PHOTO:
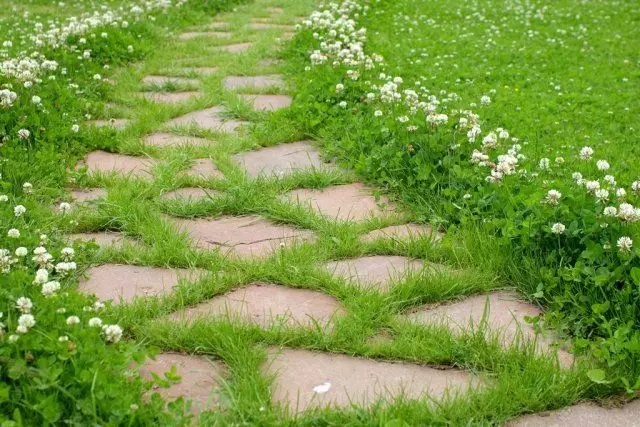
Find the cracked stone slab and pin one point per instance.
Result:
(353, 202)
(201, 379)
(190, 194)
(267, 102)
(119, 282)
(234, 48)
(209, 118)
(267, 305)
(584, 414)
(306, 379)
(111, 123)
(199, 34)
(204, 169)
(103, 162)
(375, 271)
(169, 97)
(402, 232)
(163, 80)
(506, 316)
(164, 139)
(241, 236)
(253, 82)
(280, 159)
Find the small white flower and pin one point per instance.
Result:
(4, 198)
(113, 333)
(624, 244)
(13, 338)
(322, 388)
(95, 322)
(610, 211)
(558, 228)
(27, 187)
(63, 338)
(73, 320)
(22, 251)
(64, 207)
(586, 153)
(377, 113)
(621, 193)
(485, 100)
(14, 233)
(24, 305)
(24, 134)
(27, 321)
(602, 195)
(342, 104)
(50, 288)
(42, 275)
(602, 165)
(75, 128)
(553, 197)
(19, 210)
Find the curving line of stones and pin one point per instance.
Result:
(300, 375)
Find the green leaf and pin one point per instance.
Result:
(635, 275)
(597, 376)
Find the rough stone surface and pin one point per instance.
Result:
(267, 102)
(125, 282)
(585, 414)
(346, 202)
(101, 161)
(267, 305)
(269, 62)
(88, 195)
(196, 34)
(506, 316)
(242, 236)
(235, 48)
(254, 82)
(209, 118)
(163, 139)
(169, 97)
(266, 26)
(112, 123)
(190, 194)
(200, 379)
(163, 80)
(375, 271)
(204, 169)
(402, 232)
(354, 380)
(280, 159)
(101, 238)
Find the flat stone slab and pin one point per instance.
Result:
(200, 382)
(306, 379)
(164, 139)
(585, 414)
(103, 162)
(88, 195)
(275, 10)
(352, 202)
(506, 315)
(103, 239)
(169, 97)
(280, 159)
(209, 118)
(190, 194)
(266, 26)
(267, 305)
(235, 48)
(203, 71)
(120, 282)
(217, 25)
(375, 271)
(163, 80)
(242, 236)
(199, 34)
(402, 232)
(267, 102)
(204, 169)
(254, 82)
(111, 123)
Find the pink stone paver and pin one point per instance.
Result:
(125, 282)
(375, 271)
(190, 194)
(242, 236)
(210, 118)
(163, 80)
(169, 97)
(352, 202)
(101, 161)
(354, 380)
(267, 102)
(204, 169)
(112, 123)
(200, 382)
(280, 159)
(164, 139)
(267, 305)
(254, 82)
(402, 232)
(88, 195)
(506, 316)
(234, 48)
(586, 414)
(198, 34)
(101, 238)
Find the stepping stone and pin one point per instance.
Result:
(265, 26)
(169, 97)
(196, 34)
(267, 102)
(242, 236)
(210, 119)
(164, 80)
(111, 123)
(254, 82)
(88, 195)
(235, 48)
(306, 379)
(352, 202)
(267, 305)
(125, 282)
(190, 194)
(163, 139)
(203, 71)
(201, 379)
(269, 62)
(375, 271)
(103, 238)
(275, 10)
(204, 169)
(402, 232)
(506, 315)
(585, 414)
(280, 159)
(217, 25)
(103, 162)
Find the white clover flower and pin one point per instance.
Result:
(576, 176)
(113, 333)
(586, 153)
(27, 187)
(342, 104)
(610, 211)
(635, 186)
(61, 310)
(36, 99)
(339, 87)
(95, 322)
(24, 305)
(602, 195)
(553, 197)
(24, 134)
(50, 288)
(621, 193)
(21, 251)
(624, 244)
(64, 268)
(485, 100)
(73, 320)
(377, 113)
(19, 210)
(42, 275)
(63, 338)
(14, 233)
(592, 186)
(13, 338)
(602, 165)
(68, 253)
(610, 179)
(558, 228)
(64, 207)
(4, 198)
(98, 305)
(559, 160)
(75, 128)
(628, 213)
(27, 321)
